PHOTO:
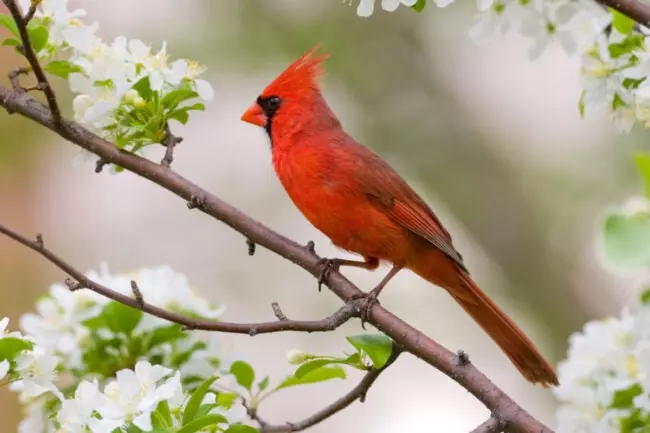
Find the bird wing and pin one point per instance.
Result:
(389, 192)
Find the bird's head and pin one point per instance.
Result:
(292, 98)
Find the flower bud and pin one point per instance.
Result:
(296, 356)
(635, 206)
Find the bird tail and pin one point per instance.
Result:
(517, 347)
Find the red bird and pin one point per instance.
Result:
(358, 201)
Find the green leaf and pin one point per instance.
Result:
(38, 35)
(626, 240)
(226, 399)
(645, 296)
(205, 409)
(315, 364)
(241, 428)
(11, 42)
(581, 104)
(172, 99)
(319, 375)
(377, 346)
(633, 423)
(10, 347)
(194, 107)
(642, 162)
(244, 373)
(419, 5)
(195, 400)
(627, 45)
(180, 115)
(622, 23)
(161, 418)
(200, 423)
(143, 87)
(61, 68)
(623, 399)
(8, 22)
(121, 318)
(263, 384)
(632, 83)
(165, 334)
(617, 102)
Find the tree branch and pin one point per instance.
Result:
(638, 10)
(169, 141)
(492, 425)
(413, 341)
(357, 393)
(31, 57)
(330, 323)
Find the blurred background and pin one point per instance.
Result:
(493, 142)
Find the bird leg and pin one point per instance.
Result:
(329, 265)
(371, 298)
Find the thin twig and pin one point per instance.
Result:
(169, 141)
(491, 425)
(413, 340)
(79, 281)
(31, 57)
(137, 294)
(32, 10)
(278, 311)
(357, 393)
(251, 247)
(14, 78)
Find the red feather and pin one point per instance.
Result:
(357, 200)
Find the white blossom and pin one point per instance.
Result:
(37, 370)
(4, 368)
(606, 357)
(134, 395)
(367, 7)
(56, 327)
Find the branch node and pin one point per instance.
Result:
(462, 358)
(311, 247)
(31, 11)
(39, 241)
(73, 285)
(100, 164)
(169, 141)
(278, 311)
(251, 247)
(253, 331)
(196, 202)
(31, 55)
(15, 80)
(191, 326)
(137, 294)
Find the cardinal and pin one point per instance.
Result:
(365, 207)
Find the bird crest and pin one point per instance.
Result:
(299, 77)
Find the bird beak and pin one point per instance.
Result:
(254, 115)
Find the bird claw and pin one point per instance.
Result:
(369, 300)
(327, 267)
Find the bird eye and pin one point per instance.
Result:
(273, 103)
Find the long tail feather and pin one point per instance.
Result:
(514, 343)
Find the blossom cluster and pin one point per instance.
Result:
(87, 363)
(614, 50)
(605, 380)
(125, 91)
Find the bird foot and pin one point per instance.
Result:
(369, 300)
(327, 267)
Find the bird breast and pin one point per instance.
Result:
(325, 190)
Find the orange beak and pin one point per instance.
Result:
(254, 115)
